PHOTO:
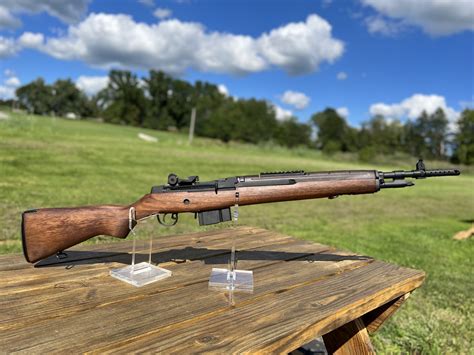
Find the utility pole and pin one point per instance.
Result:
(191, 126)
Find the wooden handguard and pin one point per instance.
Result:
(50, 230)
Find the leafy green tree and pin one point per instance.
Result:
(207, 99)
(381, 135)
(257, 123)
(251, 121)
(464, 139)
(291, 133)
(223, 122)
(158, 86)
(333, 132)
(427, 136)
(414, 143)
(437, 134)
(123, 100)
(91, 107)
(68, 98)
(36, 97)
(180, 102)
(171, 101)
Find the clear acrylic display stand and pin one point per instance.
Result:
(232, 279)
(143, 273)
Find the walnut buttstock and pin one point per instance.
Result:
(50, 230)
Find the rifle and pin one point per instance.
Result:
(48, 231)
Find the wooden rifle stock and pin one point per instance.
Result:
(50, 230)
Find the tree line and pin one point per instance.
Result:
(162, 102)
(427, 136)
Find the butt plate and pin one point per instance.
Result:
(23, 236)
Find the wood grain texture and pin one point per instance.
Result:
(376, 318)
(208, 200)
(302, 290)
(351, 338)
(49, 230)
(283, 321)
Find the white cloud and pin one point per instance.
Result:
(13, 81)
(91, 85)
(7, 92)
(341, 75)
(227, 53)
(301, 47)
(467, 103)
(343, 112)
(175, 46)
(162, 13)
(413, 106)
(223, 89)
(377, 24)
(281, 114)
(31, 40)
(296, 99)
(435, 17)
(8, 47)
(7, 20)
(68, 11)
(389, 111)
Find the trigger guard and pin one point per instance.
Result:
(174, 218)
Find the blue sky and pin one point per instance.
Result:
(362, 57)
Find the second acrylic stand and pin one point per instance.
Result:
(143, 273)
(232, 279)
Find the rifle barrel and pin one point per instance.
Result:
(398, 177)
(419, 174)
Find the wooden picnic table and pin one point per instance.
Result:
(302, 290)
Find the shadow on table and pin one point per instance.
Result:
(208, 256)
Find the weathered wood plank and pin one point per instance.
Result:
(351, 338)
(161, 254)
(301, 290)
(376, 318)
(198, 269)
(94, 289)
(170, 307)
(283, 320)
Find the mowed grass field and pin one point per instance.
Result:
(52, 162)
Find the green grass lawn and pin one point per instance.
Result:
(52, 162)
